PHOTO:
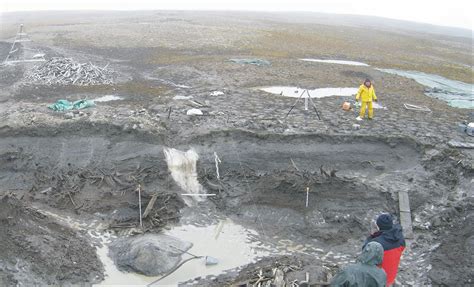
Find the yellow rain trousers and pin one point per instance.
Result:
(366, 96)
(363, 107)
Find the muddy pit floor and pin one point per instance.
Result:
(64, 189)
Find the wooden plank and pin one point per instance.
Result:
(405, 214)
(458, 144)
(416, 108)
(405, 220)
(404, 201)
(149, 207)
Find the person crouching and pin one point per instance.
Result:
(391, 237)
(365, 272)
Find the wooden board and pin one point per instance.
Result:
(458, 144)
(405, 220)
(405, 214)
(404, 201)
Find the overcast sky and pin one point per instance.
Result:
(457, 13)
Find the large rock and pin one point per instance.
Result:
(149, 254)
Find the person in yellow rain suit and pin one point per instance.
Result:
(366, 95)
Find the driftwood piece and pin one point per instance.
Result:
(150, 205)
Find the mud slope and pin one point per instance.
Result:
(456, 248)
(87, 174)
(38, 251)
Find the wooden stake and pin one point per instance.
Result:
(307, 196)
(140, 205)
(294, 164)
(150, 205)
(70, 197)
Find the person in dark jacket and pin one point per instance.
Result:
(365, 272)
(390, 236)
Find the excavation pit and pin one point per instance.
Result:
(299, 195)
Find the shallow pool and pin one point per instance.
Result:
(455, 93)
(295, 92)
(108, 98)
(231, 244)
(339, 62)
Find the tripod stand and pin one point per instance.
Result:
(305, 104)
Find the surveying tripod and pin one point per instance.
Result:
(305, 103)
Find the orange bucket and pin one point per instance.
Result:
(346, 106)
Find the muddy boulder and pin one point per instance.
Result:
(150, 254)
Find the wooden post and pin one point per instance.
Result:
(140, 205)
(307, 196)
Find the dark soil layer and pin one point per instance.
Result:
(91, 175)
(457, 247)
(337, 209)
(37, 251)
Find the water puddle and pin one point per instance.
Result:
(229, 243)
(216, 93)
(455, 93)
(72, 222)
(179, 97)
(179, 85)
(339, 62)
(107, 98)
(295, 92)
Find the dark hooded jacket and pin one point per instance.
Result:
(365, 272)
(393, 244)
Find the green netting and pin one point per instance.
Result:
(64, 105)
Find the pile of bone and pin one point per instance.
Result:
(66, 71)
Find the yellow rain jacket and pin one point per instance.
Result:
(366, 94)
